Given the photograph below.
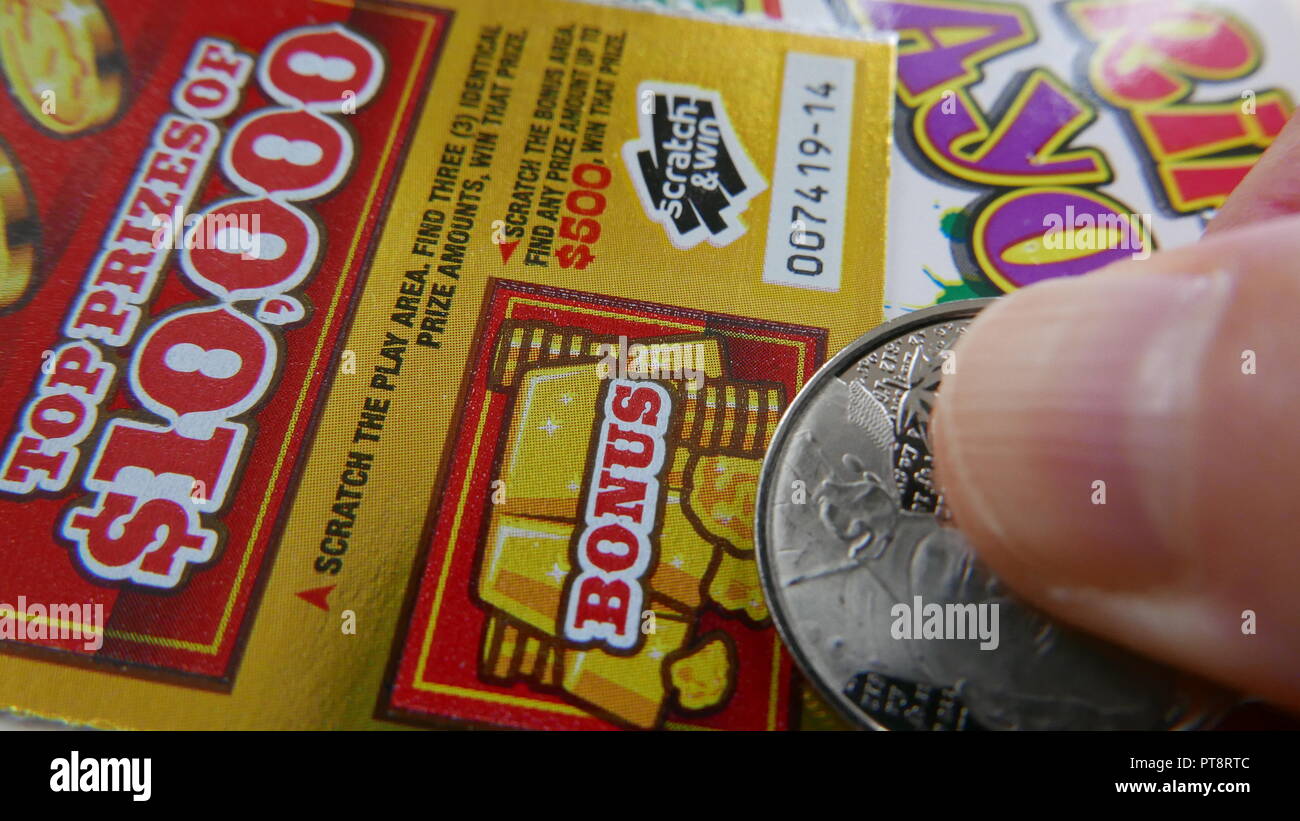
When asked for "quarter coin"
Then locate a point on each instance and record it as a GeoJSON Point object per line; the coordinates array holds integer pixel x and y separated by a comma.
{"type": "Point", "coordinates": [880, 599]}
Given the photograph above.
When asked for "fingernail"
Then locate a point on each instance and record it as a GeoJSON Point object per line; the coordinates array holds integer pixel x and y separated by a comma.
{"type": "Point", "coordinates": [1064, 434]}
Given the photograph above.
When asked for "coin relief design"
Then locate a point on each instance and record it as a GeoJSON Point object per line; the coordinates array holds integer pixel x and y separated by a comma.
{"type": "Point", "coordinates": [880, 598]}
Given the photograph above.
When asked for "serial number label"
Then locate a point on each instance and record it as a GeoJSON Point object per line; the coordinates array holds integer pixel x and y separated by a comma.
{"type": "Point", "coordinates": [805, 233]}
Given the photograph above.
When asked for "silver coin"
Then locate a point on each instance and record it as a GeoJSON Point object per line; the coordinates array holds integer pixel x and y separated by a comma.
{"type": "Point", "coordinates": [881, 601]}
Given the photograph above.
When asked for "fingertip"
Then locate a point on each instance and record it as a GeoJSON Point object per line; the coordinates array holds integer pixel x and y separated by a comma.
{"type": "Point", "coordinates": [1106, 449]}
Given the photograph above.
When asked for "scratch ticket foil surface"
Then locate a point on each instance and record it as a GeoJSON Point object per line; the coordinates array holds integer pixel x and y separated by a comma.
{"type": "Point", "coordinates": [381, 362]}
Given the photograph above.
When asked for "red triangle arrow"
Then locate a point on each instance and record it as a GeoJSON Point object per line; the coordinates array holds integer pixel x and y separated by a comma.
{"type": "Point", "coordinates": [507, 248]}
{"type": "Point", "coordinates": [318, 596]}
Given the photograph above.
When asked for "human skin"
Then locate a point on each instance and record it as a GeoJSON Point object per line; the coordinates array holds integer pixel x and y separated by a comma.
{"type": "Point", "coordinates": [1175, 381]}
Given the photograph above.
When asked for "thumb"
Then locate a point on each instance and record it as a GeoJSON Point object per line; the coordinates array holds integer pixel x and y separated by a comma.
{"type": "Point", "coordinates": [1123, 449]}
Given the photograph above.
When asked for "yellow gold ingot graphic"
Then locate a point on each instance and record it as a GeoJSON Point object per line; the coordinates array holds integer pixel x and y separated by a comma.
{"type": "Point", "coordinates": [525, 564]}
{"type": "Point", "coordinates": [18, 234]}
{"type": "Point", "coordinates": [630, 688]}
{"type": "Point", "coordinates": [722, 491]}
{"type": "Point", "coordinates": [62, 62]}
{"type": "Point", "coordinates": [703, 677]}
{"type": "Point", "coordinates": [553, 415]}
{"type": "Point", "coordinates": [735, 587]}
{"type": "Point", "coordinates": [557, 378]}
{"type": "Point", "coordinates": [684, 559]}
